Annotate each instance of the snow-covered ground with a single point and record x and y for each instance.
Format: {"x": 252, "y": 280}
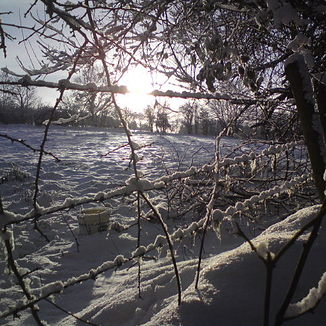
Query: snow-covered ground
{"x": 94, "y": 160}
{"x": 232, "y": 282}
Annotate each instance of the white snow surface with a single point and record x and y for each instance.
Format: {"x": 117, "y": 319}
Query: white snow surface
{"x": 231, "y": 288}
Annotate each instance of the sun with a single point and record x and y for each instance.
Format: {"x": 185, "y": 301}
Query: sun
{"x": 139, "y": 84}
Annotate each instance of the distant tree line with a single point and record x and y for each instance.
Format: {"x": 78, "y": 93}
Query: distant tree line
{"x": 21, "y": 105}
{"x": 259, "y": 122}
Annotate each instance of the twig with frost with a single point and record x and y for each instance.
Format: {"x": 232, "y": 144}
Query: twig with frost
{"x": 71, "y": 203}
{"x": 131, "y": 144}
{"x": 269, "y": 262}
{"x": 39, "y": 163}
{"x": 238, "y": 208}
{"x": 148, "y": 186}
{"x": 139, "y": 215}
{"x": 121, "y": 89}
{"x": 209, "y": 211}
{"x": 7, "y": 238}
{"x": 23, "y": 142}
{"x": 85, "y": 321}
{"x": 71, "y": 231}
{"x": 74, "y": 118}
{"x": 288, "y": 310}
{"x": 58, "y": 287}
{"x": 315, "y": 224}
{"x": 138, "y": 185}
{"x": 309, "y": 302}
{"x": 114, "y": 150}
{"x": 210, "y": 205}
{"x": 170, "y": 244}
{"x": 160, "y": 183}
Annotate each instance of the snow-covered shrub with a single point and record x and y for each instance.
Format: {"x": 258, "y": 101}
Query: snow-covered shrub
{"x": 14, "y": 173}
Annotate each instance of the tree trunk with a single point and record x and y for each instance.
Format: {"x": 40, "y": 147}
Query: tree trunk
{"x": 320, "y": 91}
{"x": 297, "y": 74}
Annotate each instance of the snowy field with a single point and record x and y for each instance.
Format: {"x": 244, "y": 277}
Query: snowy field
{"x": 232, "y": 281}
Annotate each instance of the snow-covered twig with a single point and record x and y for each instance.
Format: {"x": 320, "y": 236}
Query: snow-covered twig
{"x": 39, "y": 163}
{"x": 209, "y": 213}
{"x": 57, "y": 287}
{"x": 139, "y": 215}
{"x": 42, "y": 146}
{"x": 309, "y": 302}
{"x": 179, "y": 234}
{"x": 268, "y": 259}
{"x": 169, "y": 241}
{"x": 73, "y": 118}
{"x": 161, "y": 183}
{"x": 316, "y": 223}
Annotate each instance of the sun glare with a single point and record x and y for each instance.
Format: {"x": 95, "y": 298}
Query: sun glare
{"x": 139, "y": 84}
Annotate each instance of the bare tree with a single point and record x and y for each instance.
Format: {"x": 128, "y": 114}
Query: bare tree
{"x": 162, "y": 121}
{"x": 150, "y": 117}
{"x": 188, "y": 112}
{"x": 20, "y": 101}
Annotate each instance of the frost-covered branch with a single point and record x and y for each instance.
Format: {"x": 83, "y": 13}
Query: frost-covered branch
{"x": 146, "y": 185}
{"x": 179, "y": 234}
{"x": 302, "y": 261}
{"x": 121, "y": 89}
{"x": 39, "y": 164}
{"x": 57, "y": 287}
{"x": 73, "y": 118}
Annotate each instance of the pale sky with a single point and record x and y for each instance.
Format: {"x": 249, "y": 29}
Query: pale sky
{"x": 18, "y": 7}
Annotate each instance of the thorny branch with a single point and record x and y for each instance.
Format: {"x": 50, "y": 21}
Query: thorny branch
{"x": 23, "y": 142}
